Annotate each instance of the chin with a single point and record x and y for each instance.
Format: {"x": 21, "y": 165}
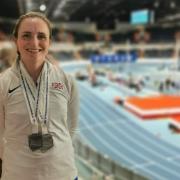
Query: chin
{"x": 37, "y": 58}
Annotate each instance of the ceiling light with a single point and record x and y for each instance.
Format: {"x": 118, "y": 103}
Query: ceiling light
{"x": 172, "y": 4}
{"x": 156, "y": 4}
{"x": 42, "y": 7}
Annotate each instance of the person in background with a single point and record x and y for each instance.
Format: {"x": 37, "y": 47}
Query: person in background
{"x": 39, "y": 107}
{"x": 7, "y": 55}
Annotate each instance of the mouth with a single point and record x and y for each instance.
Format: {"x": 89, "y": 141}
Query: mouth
{"x": 33, "y": 51}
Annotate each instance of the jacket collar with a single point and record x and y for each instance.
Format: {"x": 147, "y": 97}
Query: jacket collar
{"x": 15, "y": 66}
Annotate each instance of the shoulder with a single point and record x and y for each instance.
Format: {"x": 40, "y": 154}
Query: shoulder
{"x": 59, "y": 76}
{"x": 7, "y": 77}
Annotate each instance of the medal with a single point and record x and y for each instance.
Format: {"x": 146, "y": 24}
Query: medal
{"x": 35, "y": 141}
{"x": 47, "y": 142}
{"x": 40, "y": 141}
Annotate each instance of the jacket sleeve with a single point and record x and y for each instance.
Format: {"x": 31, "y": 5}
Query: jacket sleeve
{"x": 73, "y": 107}
{"x": 2, "y": 123}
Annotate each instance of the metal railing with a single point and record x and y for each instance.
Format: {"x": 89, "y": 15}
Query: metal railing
{"x": 104, "y": 164}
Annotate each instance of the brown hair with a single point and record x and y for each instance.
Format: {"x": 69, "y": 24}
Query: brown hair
{"x": 32, "y": 15}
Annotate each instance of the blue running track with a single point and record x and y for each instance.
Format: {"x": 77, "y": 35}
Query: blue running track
{"x": 113, "y": 133}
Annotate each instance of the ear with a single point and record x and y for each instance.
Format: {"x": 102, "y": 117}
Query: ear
{"x": 15, "y": 42}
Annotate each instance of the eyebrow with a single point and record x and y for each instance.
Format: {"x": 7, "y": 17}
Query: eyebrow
{"x": 29, "y": 32}
{"x": 26, "y": 32}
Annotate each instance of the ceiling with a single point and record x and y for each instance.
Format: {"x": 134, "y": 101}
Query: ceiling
{"x": 98, "y": 11}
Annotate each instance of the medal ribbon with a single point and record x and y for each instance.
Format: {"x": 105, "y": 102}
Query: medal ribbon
{"x": 37, "y": 97}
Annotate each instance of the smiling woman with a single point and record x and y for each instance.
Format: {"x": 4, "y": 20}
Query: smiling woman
{"x": 32, "y": 37}
{"x": 38, "y": 109}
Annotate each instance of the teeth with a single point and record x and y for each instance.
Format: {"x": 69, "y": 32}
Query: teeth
{"x": 33, "y": 50}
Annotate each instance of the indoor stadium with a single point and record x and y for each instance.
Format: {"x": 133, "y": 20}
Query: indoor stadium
{"x": 124, "y": 56}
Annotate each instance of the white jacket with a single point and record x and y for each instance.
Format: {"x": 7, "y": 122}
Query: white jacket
{"x": 19, "y": 162}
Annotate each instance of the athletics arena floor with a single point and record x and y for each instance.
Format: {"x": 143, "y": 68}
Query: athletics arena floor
{"x": 135, "y": 134}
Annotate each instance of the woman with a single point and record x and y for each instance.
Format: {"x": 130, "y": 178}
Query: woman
{"x": 38, "y": 109}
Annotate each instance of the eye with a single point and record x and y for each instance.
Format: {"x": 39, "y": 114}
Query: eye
{"x": 26, "y": 36}
{"x": 42, "y": 36}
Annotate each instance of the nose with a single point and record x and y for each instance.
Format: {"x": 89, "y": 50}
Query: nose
{"x": 34, "y": 41}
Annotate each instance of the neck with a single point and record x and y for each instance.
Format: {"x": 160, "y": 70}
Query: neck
{"x": 34, "y": 70}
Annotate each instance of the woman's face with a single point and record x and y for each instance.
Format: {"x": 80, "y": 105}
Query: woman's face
{"x": 33, "y": 40}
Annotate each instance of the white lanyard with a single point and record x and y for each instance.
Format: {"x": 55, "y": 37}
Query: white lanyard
{"x": 38, "y": 111}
